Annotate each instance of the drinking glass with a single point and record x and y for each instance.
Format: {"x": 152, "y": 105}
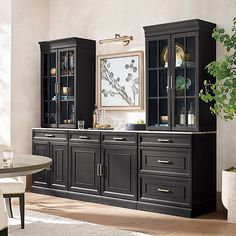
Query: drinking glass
{"x": 80, "y": 124}
{"x": 7, "y": 157}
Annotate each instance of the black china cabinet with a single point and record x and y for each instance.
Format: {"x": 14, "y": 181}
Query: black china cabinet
{"x": 176, "y": 57}
{"x": 67, "y": 80}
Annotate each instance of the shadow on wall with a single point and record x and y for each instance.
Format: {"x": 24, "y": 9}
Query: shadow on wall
{"x": 5, "y": 83}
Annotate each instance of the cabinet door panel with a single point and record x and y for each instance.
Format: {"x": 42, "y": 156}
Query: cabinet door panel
{"x": 67, "y": 81}
{"x": 158, "y": 83}
{"x": 83, "y": 162}
{"x": 120, "y": 171}
{"x": 48, "y": 82}
{"x": 58, "y": 152}
{"x": 41, "y": 178}
{"x": 185, "y": 87}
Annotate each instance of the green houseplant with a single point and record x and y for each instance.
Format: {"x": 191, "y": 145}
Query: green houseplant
{"x": 223, "y": 91}
{"x": 222, "y": 94}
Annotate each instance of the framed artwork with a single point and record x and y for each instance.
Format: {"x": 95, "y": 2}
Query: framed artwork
{"x": 120, "y": 81}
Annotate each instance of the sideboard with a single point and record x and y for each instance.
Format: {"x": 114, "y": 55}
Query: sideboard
{"x": 159, "y": 171}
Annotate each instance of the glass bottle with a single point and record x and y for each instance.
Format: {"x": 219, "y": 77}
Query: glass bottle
{"x": 191, "y": 115}
{"x": 95, "y": 117}
{"x": 72, "y": 113}
{"x": 182, "y": 117}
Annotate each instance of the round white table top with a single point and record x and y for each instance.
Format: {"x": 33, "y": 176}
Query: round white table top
{"x": 25, "y": 164}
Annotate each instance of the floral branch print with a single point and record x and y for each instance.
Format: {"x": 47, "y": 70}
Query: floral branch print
{"x": 115, "y": 82}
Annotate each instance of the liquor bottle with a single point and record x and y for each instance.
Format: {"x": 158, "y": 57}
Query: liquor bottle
{"x": 182, "y": 117}
{"x": 72, "y": 113}
{"x": 95, "y": 117}
{"x": 191, "y": 115}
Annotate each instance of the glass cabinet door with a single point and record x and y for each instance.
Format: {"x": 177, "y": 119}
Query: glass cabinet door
{"x": 67, "y": 87}
{"x": 49, "y": 97}
{"x": 158, "y": 83}
{"x": 184, "y": 81}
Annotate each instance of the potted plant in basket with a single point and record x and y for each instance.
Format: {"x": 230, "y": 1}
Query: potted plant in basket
{"x": 223, "y": 95}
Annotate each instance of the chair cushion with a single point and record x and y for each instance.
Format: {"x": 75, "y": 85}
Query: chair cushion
{"x": 12, "y": 185}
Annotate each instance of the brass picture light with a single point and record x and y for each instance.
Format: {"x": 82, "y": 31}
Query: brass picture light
{"x": 123, "y": 39}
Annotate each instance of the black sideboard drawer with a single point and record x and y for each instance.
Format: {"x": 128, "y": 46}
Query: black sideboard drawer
{"x": 165, "y": 161}
{"x": 168, "y": 140}
{"x": 52, "y": 135}
{"x": 84, "y": 137}
{"x": 165, "y": 190}
{"x": 119, "y": 138}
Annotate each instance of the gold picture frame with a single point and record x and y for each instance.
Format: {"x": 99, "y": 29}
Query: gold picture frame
{"x": 119, "y": 82}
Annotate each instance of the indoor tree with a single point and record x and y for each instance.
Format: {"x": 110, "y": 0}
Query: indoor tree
{"x": 222, "y": 92}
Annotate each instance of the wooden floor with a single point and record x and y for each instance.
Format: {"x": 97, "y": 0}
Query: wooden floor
{"x": 151, "y": 223}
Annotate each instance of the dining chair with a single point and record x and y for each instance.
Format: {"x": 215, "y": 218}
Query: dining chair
{"x": 3, "y": 218}
{"x": 13, "y": 187}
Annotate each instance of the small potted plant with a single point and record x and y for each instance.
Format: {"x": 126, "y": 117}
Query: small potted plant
{"x": 222, "y": 94}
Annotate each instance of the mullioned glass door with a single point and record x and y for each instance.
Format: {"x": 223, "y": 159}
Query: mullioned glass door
{"x": 159, "y": 115}
{"x": 49, "y": 83}
{"x": 184, "y": 71}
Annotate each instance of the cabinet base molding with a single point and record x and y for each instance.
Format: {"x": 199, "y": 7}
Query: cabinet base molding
{"x": 103, "y": 200}
{"x": 177, "y": 211}
{"x": 200, "y": 209}
{"x": 87, "y": 197}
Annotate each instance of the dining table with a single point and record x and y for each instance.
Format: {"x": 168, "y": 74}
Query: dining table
{"x": 24, "y": 164}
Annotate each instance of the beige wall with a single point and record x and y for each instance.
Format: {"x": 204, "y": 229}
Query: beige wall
{"x": 29, "y": 25}
{"x": 98, "y": 20}
{"x": 5, "y": 71}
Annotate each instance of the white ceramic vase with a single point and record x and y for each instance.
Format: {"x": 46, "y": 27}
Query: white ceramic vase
{"x": 229, "y": 194}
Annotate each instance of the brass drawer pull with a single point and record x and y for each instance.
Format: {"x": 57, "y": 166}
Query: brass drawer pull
{"x": 163, "y": 190}
{"x": 50, "y": 135}
{"x": 119, "y": 139}
{"x": 84, "y": 137}
{"x": 163, "y": 140}
{"x": 164, "y": 162}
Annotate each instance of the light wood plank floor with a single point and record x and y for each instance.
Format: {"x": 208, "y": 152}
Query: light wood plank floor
{"x": 151, "y": 223}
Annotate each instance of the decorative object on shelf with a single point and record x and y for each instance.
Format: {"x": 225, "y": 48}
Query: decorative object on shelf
{"x": 71, "y": 63}
{"x": 120, "y": 39}
{"x": 191, "y": 115}
{"x": 182, "y": 116}
{"x": 53, "y": 71}
{"x": 181, "y": 84}
{"x": 179, "y": 49}
{"x": 64, "y": 64}
{"x": 120, "y": 81}
{"x": 187, "y": 60}
{"x": 164, "y": 119}
{"x": 103, "y": 121}
{"x": 132, "y": 126}
{"x": 80, "y": 124}
{"x": 66, "y": 91}
{"x": 95, "y": 116}
{"x": 70, "y": 121}
{"x": 72, "y": 115}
